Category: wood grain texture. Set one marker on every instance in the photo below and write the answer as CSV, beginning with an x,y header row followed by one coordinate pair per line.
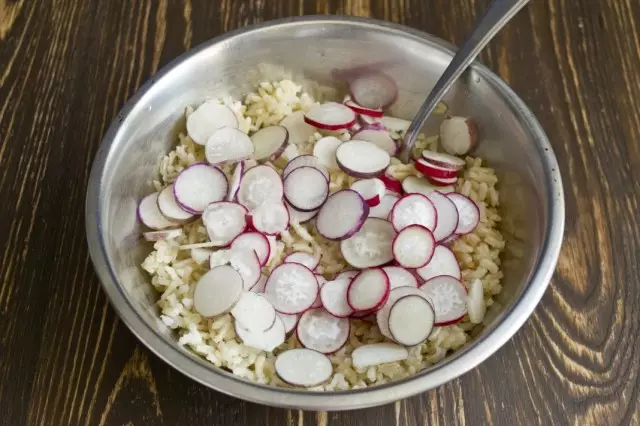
x,y
66,67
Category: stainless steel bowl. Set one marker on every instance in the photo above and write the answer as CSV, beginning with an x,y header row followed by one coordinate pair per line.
x,y
308,50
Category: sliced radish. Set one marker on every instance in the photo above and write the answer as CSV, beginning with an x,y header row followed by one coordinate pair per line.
x,y
253,241
321,282
382,316
217,291
380,138
383,209
416,185
442,159
292,288
162,235
334,297
378,353
468,213
306,188
228,144
254,312
349,275
298,216
476,307
271,218
319,330
443,262
219,257
325,151
369,290
342,215
413,247
224,221
367,122
392,184
447,216
458,135
359,109
400,277
433,170
263,341
306,259
170,208
151,216
199,185
303,367
290,321
372,190
299,130
371,245
234,186
259,287
330,116
448,297
450,239
374,90
259,184
270,142
247,264
207,118
304,161
414,209
362,158
395,124
411,319
443,181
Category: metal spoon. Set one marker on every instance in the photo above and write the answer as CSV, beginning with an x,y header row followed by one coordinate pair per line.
x,y
497,15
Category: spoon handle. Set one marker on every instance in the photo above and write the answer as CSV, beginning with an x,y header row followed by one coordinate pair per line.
x,y
496,16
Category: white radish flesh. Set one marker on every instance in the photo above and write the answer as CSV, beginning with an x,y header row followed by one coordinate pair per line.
x,y
414,209
334,297
371,245
292,288
259,184
458,135
325,151
290,321
207,118
151,216
442,159
270,142
448,297
369,290
411,320
416,185
378,353
303,367
170,208
219,257
254,312
167,234
247,264
306,188
299,130
439,182
330,116
468,213
320,331
443,262
392,184
433,170
253,241
362,159
263,341
382,316
342,215
228,144
234,186
383,209
271,217
349,275
199,185
224,221
373,90
380,138
413,247
400,277
395,124
372,190
217,291
306,259
359,109
367,122
475,302
305,161
297,216
259,287
447,216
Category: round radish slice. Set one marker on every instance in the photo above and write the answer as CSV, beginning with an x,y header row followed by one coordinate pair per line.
x,y
330,116
378,353
224,221
443,262
372,190
442,159
411,320
248,266
259,287
367,122
290,321
151,216
374,90
271,218
380,138
325,151
416,185
319,330
292,288
414,209
270,142
443,181
468,213
359,109
349,275
342,215
447,216
448,297
458,135
434,171
207,118
217,291
362,158
235,181
475,302
334,297
299,130
199,185
413,247
162,235
321,282
392,184
395,124
170,208
382,316
228,144
371,245
383,209
306,188
263,341
306,259
400,277
253,241
303,367
368,290
254,312
304,161
298,216
259,184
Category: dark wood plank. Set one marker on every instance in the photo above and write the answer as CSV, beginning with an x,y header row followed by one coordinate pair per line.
x,y
67,66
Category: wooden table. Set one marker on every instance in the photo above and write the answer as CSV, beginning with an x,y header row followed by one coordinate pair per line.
x,y
67,66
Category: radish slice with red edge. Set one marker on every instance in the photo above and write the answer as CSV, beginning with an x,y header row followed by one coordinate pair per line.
x,y
368,290
290,321
333,295
168,234
247,264
414,209
258,185
374,90
151,216
380,138
411,319
372,190
443,262
468,213
448,297
303,367
349,275
263,341
413,247
443,181
234,186
254,312
299,130
382,316
306,188
207,119
270,142
224,221
400,277
447,216
416,185
362,159
359,109
306,259
320,331
259,287
442,159
371,245
325,151
330,116
170,208
378,353
433,170
270,218
392,184
383,209
395,124
298,216
217,291
292,288
458,135
342,215
228,144
199,185
367,122
321,282
253,241
304,161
